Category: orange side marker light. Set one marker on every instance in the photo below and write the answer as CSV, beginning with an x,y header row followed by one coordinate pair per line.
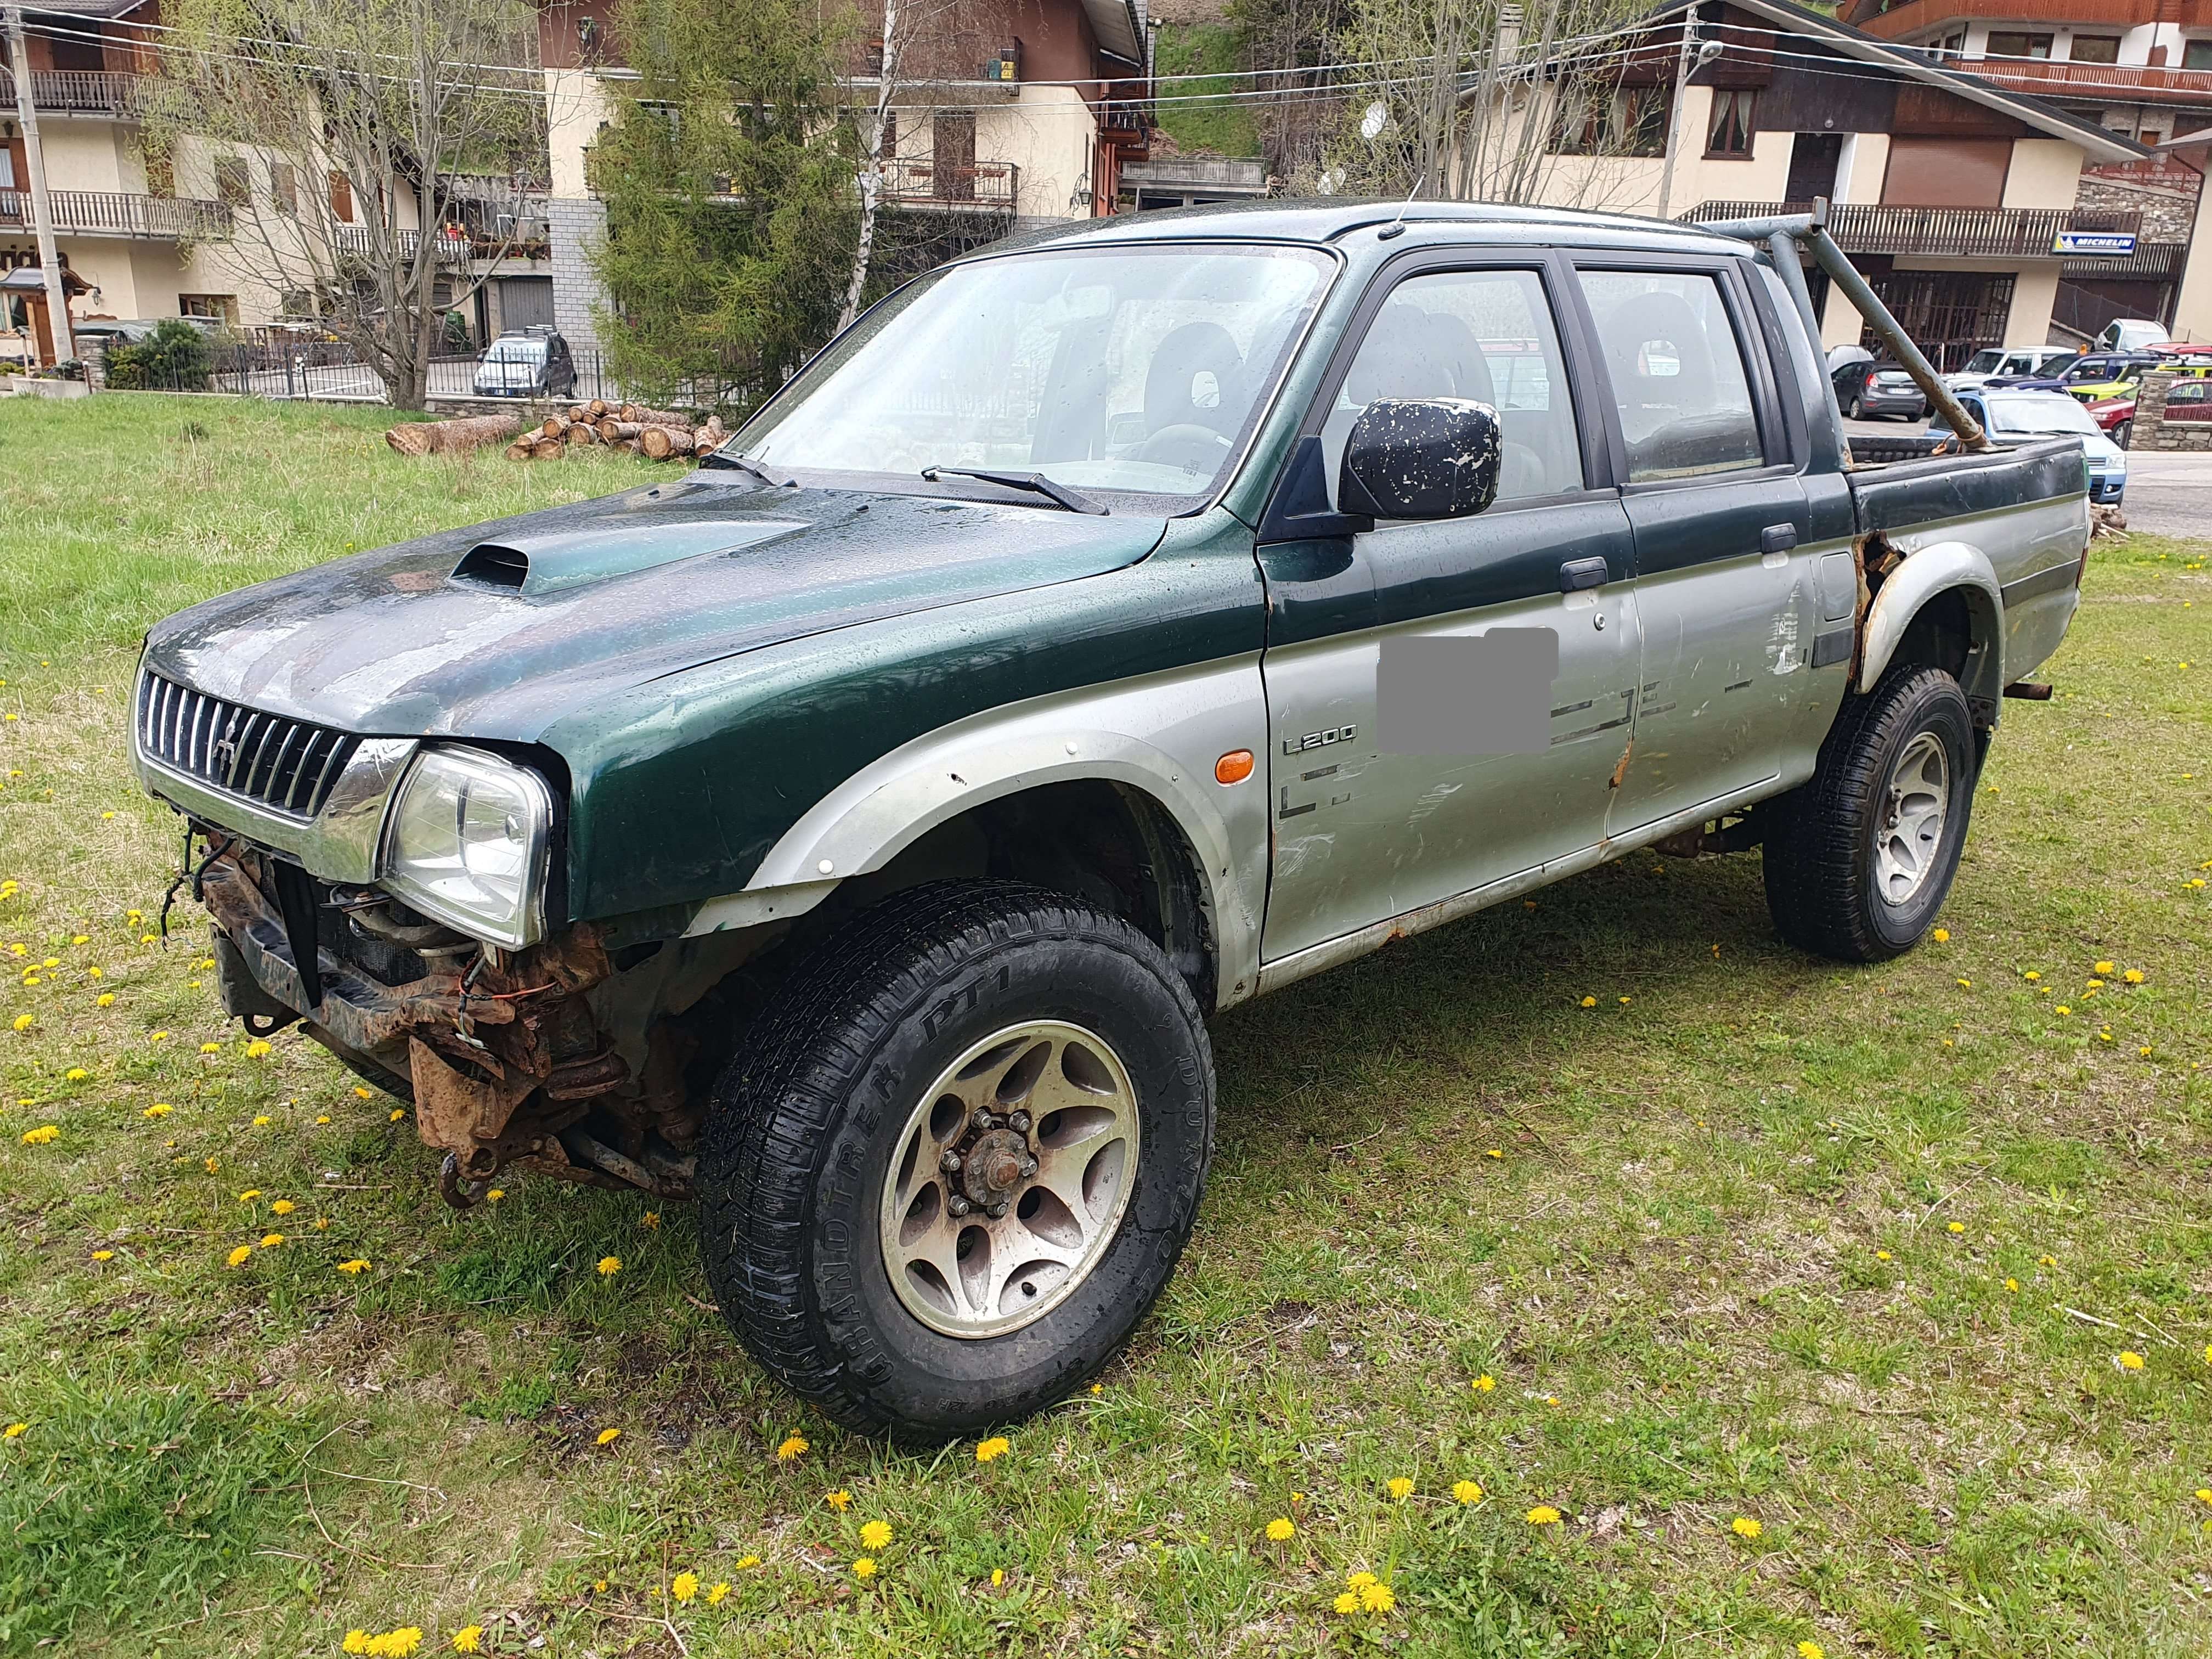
x,y
1234,767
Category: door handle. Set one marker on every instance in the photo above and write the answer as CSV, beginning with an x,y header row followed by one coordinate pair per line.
x,y
1777,539
1578,574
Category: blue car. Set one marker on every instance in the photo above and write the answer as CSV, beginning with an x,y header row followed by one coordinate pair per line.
x,y
2098,368
2017,415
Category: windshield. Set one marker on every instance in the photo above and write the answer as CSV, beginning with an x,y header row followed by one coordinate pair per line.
x,y
1984,362
1136,368
2048,413
516,351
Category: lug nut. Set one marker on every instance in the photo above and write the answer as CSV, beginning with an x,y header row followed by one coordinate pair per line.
x,y
1028,1166
1018,1122
996,1212
958,1205
949,1162
985,1120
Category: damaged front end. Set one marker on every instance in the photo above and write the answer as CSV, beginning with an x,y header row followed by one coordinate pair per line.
x,y
512,1056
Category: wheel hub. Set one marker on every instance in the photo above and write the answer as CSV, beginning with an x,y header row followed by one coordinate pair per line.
x,y
1008,1182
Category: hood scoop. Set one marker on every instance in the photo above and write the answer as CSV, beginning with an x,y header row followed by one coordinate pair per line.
x,y
541,564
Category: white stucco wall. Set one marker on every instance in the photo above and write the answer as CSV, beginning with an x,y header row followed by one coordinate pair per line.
x,y
2045,172
1047,133
576,105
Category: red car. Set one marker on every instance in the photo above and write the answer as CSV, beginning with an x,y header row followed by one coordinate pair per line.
x,y
2116,417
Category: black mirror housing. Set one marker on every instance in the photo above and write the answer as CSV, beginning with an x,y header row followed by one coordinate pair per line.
x,y
1421,457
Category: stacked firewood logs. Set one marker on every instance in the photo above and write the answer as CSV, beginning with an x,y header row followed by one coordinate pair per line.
x,y
659,434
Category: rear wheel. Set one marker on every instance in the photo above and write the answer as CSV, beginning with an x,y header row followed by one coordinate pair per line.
x,y
959,1158
1857,410
1861,857
2124,432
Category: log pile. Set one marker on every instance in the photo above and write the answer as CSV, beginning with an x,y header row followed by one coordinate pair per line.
x,y
659,434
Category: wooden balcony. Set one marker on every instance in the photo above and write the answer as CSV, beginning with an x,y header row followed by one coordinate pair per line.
x,y
110,213
2125,83
1892,20
987,186
117,94
1969,232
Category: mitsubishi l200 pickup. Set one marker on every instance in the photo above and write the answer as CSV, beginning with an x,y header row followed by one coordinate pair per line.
x,y
1110,627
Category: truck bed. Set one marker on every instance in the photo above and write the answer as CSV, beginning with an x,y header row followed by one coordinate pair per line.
x,y
2024,508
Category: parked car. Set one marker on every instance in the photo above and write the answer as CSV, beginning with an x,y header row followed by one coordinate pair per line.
x,y
2131,334
857,832
533,363
2115,417
1871,390
2100,374
2013,362
2014,416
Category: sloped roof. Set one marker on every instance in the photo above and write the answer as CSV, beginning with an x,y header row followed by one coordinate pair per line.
x,y
1120,26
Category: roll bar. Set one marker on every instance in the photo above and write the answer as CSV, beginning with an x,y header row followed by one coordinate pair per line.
x,y
1784,234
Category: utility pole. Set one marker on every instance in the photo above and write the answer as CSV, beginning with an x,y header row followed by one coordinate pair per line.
x,y
42,209
1685,66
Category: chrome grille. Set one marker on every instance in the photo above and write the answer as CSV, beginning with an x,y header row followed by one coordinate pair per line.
x,y
286,765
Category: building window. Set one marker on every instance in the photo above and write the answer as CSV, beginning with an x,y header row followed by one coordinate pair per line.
x,y
341,188
2196,54
1953,45
2094,49
231,188
1731,128
1627,121
223,307
2012,43
284,186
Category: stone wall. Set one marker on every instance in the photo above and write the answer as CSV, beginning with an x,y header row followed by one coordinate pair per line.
x,y
2153,430
577,225
2168,213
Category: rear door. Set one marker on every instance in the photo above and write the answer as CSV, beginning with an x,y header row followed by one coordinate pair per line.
x,y
1398,656
1726,577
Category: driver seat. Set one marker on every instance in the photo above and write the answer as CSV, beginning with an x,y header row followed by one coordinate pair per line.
x,y
1195,380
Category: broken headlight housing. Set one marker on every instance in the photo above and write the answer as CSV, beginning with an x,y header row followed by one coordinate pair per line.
x,y
466,844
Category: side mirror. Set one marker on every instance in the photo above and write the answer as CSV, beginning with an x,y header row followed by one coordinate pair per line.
x,y
1421,457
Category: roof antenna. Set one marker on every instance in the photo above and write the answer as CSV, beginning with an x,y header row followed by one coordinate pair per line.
x,y
1397,226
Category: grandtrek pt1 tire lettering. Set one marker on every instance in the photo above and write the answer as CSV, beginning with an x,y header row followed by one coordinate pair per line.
x,y
805,1137
1863,852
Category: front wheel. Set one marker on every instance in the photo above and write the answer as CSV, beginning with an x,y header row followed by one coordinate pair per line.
x,y
2124,432
1860,857
959,1158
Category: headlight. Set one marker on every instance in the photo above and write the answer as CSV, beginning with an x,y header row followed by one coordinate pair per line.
x,y
466,844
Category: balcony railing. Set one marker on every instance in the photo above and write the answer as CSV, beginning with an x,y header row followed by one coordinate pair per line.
x,y
81,92
1988,233
527,239
992,186
110,213
2065,79
1892,20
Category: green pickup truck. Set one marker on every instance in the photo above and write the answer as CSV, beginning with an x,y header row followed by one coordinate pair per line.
x,y
857,833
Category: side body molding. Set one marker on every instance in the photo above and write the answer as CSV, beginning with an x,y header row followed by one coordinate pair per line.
x,y
1926,571
1159,734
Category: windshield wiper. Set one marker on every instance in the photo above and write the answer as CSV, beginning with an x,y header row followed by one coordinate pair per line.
x,y
745,464
1035,481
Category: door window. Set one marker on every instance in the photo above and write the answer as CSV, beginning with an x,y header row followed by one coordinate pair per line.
x,y
1487,334
1677,373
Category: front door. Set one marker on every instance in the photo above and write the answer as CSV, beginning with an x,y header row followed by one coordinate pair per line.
x,y
1449,702
1724,582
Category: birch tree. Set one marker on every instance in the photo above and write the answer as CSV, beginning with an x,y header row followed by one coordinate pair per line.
x,y
348,133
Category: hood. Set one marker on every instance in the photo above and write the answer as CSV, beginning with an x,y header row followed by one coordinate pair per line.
x,y
499,629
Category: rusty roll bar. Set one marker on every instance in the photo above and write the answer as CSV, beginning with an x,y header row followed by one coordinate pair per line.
x,y
1784,234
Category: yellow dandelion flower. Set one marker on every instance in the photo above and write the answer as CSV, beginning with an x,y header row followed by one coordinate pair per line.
x,y
324,1118
2128,1360
469,1639
249,1194
283,1206
25,1022
495,1194
2134,977
714,1595
397,1112
322,1224
1881,1255
75,1074
1346,1602
44,1135
651,1218
103,1255
1941,936
1377,1598
255,1050
1399,1487
747,1562
356,1265
685,1586
2031,976
210,1047
15,1432
2046,1262
210,1165
610,1265
608,1437
356,1641
1485,1383
1966,984
996,1447
793,1449
2012,1285
263,1120
2064,1009
876,1535
1811,1650
106,999
863,1568
1281,1528
1466,1491
1360,1581
157,1037
2105,968
237,1257
1542,1516
839,1500
998,1576
363,1092
1589,1002
271,1241
1956,1226
1495,1152
1744,1527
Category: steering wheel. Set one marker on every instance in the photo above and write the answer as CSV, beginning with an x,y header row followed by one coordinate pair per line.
x,y
1186,444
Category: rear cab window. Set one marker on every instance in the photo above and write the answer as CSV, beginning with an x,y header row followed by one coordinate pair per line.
x,y
1679,378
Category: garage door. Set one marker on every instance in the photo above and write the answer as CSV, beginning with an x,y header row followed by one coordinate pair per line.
x,y
525,302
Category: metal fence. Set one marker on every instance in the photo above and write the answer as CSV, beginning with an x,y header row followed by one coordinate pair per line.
x,y
272,366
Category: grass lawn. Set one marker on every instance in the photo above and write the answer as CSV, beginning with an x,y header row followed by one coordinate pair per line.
x,y
1907,1266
